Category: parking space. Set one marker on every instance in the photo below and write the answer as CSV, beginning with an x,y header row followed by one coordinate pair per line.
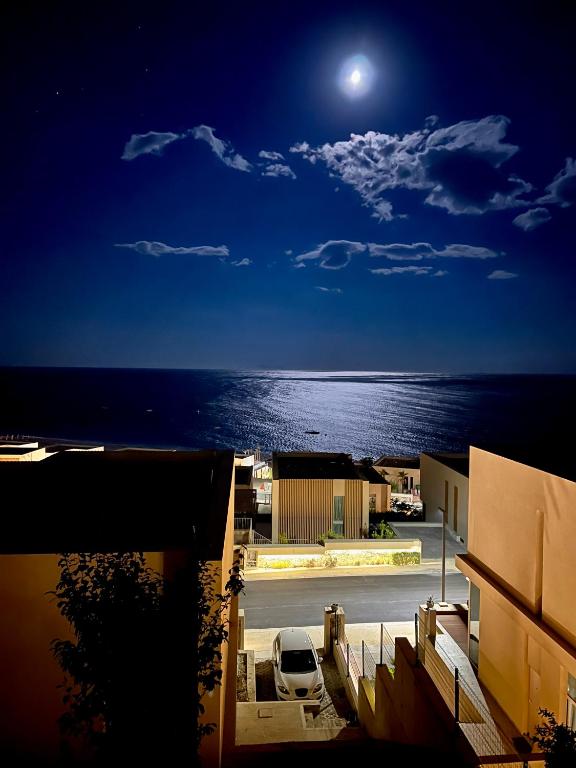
x,y
335,710
431,537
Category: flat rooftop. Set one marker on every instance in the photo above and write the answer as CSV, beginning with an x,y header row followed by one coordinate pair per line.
x,y
459,462
118,501
313,466
399,462
369,473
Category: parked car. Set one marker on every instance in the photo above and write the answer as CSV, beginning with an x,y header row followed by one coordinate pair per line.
x,y
297,673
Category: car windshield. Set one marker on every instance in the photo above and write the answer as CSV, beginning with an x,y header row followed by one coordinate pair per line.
x,y
297,662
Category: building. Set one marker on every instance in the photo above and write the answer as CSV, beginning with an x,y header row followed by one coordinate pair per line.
x,y
379,491
15,451
520,565
173,506
444,486
402,472
313,493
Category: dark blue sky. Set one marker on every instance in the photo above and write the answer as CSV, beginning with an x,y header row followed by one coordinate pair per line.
x,y
192,188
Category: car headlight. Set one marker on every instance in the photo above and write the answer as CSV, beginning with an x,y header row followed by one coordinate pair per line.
x,y
283,689
317,688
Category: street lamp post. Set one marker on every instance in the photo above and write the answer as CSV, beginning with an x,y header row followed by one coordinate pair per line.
x,y
443,511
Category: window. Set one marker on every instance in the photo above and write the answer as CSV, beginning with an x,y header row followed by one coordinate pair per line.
x,y
474,624
571,707
338,517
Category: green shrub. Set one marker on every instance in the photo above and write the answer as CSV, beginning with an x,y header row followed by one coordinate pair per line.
x,y
282,538
405,558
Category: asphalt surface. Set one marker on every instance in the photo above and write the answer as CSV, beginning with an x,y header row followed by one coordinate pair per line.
x,y
431,538
365,599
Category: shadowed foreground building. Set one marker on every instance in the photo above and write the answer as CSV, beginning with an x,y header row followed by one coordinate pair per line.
x,y
170,505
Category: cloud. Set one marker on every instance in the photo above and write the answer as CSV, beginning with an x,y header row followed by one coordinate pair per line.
x,y
222,149
288,252
151,143
279,169
532,219
440,273
270,155
459,167
419,251
501,274
334,254
242,263
402,271
323,289
562,190
300,265
153,248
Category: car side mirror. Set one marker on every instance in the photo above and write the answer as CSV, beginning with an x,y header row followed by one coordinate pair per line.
x,y
320,659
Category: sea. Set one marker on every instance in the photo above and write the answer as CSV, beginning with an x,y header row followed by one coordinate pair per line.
x,y
362,413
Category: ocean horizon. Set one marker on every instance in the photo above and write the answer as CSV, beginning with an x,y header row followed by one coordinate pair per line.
x,y
365,413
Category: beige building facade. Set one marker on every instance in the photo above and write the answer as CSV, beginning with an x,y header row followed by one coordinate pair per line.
x,y
522,573
444,486
314,493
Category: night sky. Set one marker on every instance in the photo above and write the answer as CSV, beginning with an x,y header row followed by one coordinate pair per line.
x,y
338,185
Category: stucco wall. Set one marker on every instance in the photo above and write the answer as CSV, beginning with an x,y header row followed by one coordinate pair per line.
x,y
522,530
30,701
435,494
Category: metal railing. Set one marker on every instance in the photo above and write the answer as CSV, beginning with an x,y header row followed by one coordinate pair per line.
x,y
257,538
485,736
368,665
242,523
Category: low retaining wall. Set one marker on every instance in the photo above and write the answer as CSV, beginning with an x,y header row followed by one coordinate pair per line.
x,y
335,553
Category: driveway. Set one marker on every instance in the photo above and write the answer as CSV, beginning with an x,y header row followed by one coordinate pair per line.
x,y
431,538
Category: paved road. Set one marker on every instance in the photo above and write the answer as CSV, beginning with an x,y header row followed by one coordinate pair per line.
x,y
300,602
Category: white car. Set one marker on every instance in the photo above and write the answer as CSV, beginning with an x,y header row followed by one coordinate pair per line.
x,y
297,673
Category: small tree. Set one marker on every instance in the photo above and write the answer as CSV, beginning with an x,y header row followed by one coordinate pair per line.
x,y
556,740
144,652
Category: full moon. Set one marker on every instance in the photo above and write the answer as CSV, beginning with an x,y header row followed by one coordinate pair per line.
x,y
356,76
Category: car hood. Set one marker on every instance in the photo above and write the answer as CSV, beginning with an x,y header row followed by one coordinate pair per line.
x,y
306,680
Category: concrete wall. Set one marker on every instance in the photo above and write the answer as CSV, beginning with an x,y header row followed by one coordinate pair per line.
x,y
383,494
522,530
443,487
304,509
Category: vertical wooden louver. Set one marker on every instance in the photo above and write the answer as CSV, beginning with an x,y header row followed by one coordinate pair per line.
x,y
353,509
305,508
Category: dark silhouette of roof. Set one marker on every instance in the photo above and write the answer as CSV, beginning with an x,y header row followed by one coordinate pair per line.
x,y
313,466
367,472
400,462
459,462
117,501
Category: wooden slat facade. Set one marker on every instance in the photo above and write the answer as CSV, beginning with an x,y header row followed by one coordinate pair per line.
x,y
353,509
306,508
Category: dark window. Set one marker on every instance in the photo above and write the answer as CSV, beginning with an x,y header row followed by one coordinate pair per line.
x,y
298,662
338,518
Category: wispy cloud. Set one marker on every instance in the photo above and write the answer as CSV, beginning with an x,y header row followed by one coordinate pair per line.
x,y
501,274
562,190
323,289
242,263
151,143
440,273
532,219
273,156
459,167
222,149
334,254
154,248
279,169
403,271
419,251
